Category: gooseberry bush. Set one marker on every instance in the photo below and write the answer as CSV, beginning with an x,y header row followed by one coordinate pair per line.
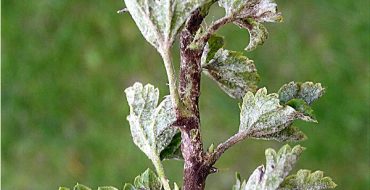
x,y
171,129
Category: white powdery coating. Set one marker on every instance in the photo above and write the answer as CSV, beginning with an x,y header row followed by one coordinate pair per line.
x,y
306,180
278,166
150,125
261,114
307,91
233,72
160,21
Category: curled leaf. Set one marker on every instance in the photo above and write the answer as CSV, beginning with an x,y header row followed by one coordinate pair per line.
x,y
250,15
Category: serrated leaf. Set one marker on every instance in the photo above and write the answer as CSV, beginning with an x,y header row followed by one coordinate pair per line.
x,y
262,116
260,10
107,188
278,166
160,21
173,150
233,72
81,187
307,91
150,125
305,180
146,181
257,32
249,15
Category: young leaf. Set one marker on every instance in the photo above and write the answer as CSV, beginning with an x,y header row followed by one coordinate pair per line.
x,y
304,179
160,21
233,72
249,15
307,91
278,166
150,125
146,181
261,115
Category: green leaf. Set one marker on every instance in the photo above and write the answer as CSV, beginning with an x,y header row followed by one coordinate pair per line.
x,y
80,187
173,150
307,91
107,188
304,179
262,116
160,21
301,106
233,72
63,188
150,125
214,43
146,181
249,15
278,166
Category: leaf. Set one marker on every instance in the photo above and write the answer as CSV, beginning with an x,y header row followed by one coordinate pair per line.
x,y
160,21
261,10
233,72
278,166
63,188
257,32
173,150
301,106
150,125
214,43
249,15
146,181
261,115
80,187
304,179
307,91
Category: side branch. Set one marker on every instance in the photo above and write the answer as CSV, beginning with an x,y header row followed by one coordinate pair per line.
x,y
201,40
221,148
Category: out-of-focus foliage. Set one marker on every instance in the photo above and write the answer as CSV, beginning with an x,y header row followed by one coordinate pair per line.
x,y
65,65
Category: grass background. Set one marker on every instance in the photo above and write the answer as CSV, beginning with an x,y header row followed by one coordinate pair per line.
x,y
65,65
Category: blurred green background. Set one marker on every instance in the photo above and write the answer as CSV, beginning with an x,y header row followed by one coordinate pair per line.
x,y
65,65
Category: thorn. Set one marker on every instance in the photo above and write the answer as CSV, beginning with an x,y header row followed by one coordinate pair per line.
x,y
124,10
213,170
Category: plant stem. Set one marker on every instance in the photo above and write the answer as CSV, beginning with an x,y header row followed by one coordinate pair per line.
x,y
167,59
160,171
